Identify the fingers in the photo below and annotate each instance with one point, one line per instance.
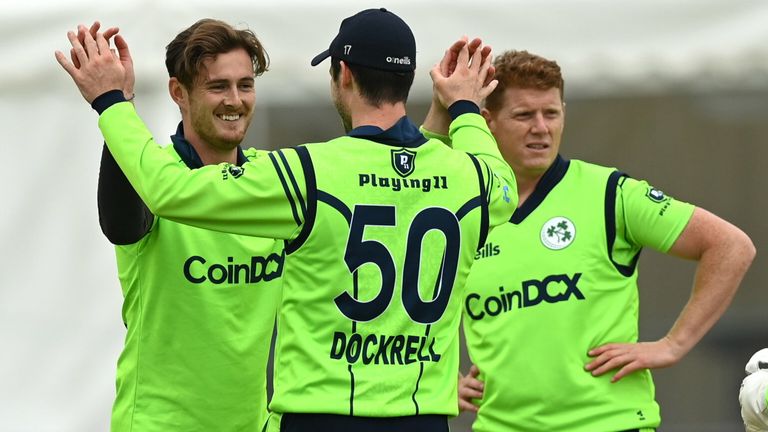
(609, 361)
(89, 43)
(473, 45)
(463, 58)
(467, 406)
(448, 62)
(469, 390)
(94, 28)
(476, 60)
(69, 67)
(79, 54)
(122, 48)
(485, 65)
(102, 44)
(436, 73)
(626, 370)
(110, 32)
(73, 57)
(474, 371)
(627, 358)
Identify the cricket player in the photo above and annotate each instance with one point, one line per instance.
(381, 225)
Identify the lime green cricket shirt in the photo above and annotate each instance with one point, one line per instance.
(380, 239)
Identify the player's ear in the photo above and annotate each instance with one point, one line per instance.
(488, 118)
(345, 75)
(178, 92)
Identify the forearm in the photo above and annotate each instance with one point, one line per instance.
(470, 134)
(437, 122)
(123, 217)
(720, 270)
(251, 203)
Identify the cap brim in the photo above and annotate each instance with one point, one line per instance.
(320, 57)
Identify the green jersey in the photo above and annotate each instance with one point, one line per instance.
(199, 310)
(556, 281)
(381, 230)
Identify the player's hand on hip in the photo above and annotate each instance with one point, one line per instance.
(99, 69)
(631, 357)
(470, 388)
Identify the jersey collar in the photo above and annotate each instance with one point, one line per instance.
(548, 181)
(402, 134)
(188, 153)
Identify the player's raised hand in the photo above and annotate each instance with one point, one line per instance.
(470, 388)
(451, 56)
(468, 79)
(99, 70)
(631, 357)
(122, 50)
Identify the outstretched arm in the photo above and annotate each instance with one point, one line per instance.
(469, 82)
(724, 253)
(263, 198)
(123, 217)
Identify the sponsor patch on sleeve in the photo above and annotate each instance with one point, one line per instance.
(655, 195)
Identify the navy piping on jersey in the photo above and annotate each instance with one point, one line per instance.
(311, 188)
(335, 203)
(484, 217)
(549, 180)
(295, 185)
(287, 191)
(416, 389)
(123, 217)
(351, 391)
(610, 223)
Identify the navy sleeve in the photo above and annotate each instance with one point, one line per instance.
(123, 217)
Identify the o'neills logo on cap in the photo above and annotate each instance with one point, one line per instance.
(401, 61)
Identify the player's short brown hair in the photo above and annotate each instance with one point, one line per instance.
(521, 69)
(205, 39)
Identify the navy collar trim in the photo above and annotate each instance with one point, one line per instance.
(189, 154)
(549, 180)
(402, 134)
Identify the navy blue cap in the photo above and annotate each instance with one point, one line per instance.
(374, 38)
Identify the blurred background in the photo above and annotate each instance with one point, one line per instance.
(672, 92)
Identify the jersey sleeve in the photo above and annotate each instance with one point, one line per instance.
(470, 133)
(123, 217)
(262, 198)
(428, 134)
(648, 217)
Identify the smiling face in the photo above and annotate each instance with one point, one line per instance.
(528, 127)
(219, 107)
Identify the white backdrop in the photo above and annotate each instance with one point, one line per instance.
(60, 325)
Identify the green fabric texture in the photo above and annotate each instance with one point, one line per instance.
(379, 244)
(545, 291)
(199, 308)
